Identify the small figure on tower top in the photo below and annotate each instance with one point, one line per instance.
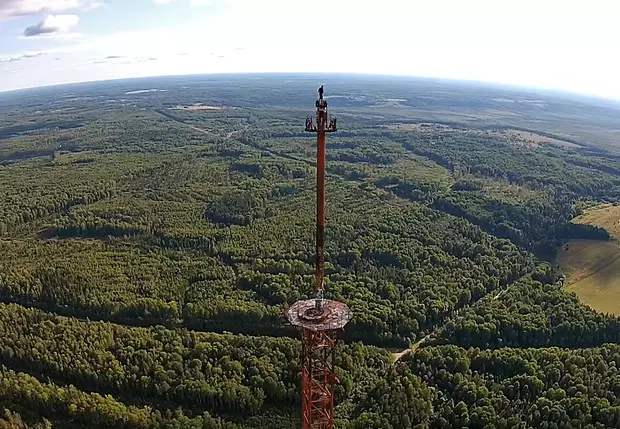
(321, 93)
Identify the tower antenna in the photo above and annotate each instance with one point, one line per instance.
(319, 320)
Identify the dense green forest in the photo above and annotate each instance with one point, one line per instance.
(147, 252)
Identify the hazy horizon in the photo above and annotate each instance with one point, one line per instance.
(326, 75)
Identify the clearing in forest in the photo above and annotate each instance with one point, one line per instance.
(529, 138)
(201, 107)
(606, 216)
(523, 138)
(593, 267)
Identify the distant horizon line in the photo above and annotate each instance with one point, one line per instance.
(471, 82)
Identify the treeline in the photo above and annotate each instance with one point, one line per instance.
(372, 155)
(403, 269)
(16, 210)
(435, 387)
(559, 177)
(490, 156)
(533, 312)
(67, 292)
(519, 388)
(537, 226)
(451, 387)
(91, 409)
(221, 373)
(397, 400)
(15, 130)
(12, 420)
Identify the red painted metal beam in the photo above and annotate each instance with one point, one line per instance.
(320, 210)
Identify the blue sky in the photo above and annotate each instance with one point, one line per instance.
(567, 45)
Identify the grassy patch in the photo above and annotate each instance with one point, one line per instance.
(593, 267)
(606, 216)
(601, 289)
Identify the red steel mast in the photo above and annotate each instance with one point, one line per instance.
(322, 126)
(319, 320)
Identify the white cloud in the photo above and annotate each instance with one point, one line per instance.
(20, 57)
(16, 8)
(53, 24)
(193, 2)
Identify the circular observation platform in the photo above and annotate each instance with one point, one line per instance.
(319, 314)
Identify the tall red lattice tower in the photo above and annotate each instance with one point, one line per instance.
(319, 320)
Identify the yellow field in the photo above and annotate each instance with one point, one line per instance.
(532, 139)
(606, 216)
(593, 267)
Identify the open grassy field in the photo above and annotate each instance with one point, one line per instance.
(593, 267)
(515, 136)
(606, 216)
(534, 139)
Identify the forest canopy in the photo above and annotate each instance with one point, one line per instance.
(147, 253)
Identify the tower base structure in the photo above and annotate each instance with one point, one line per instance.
(319, 322)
